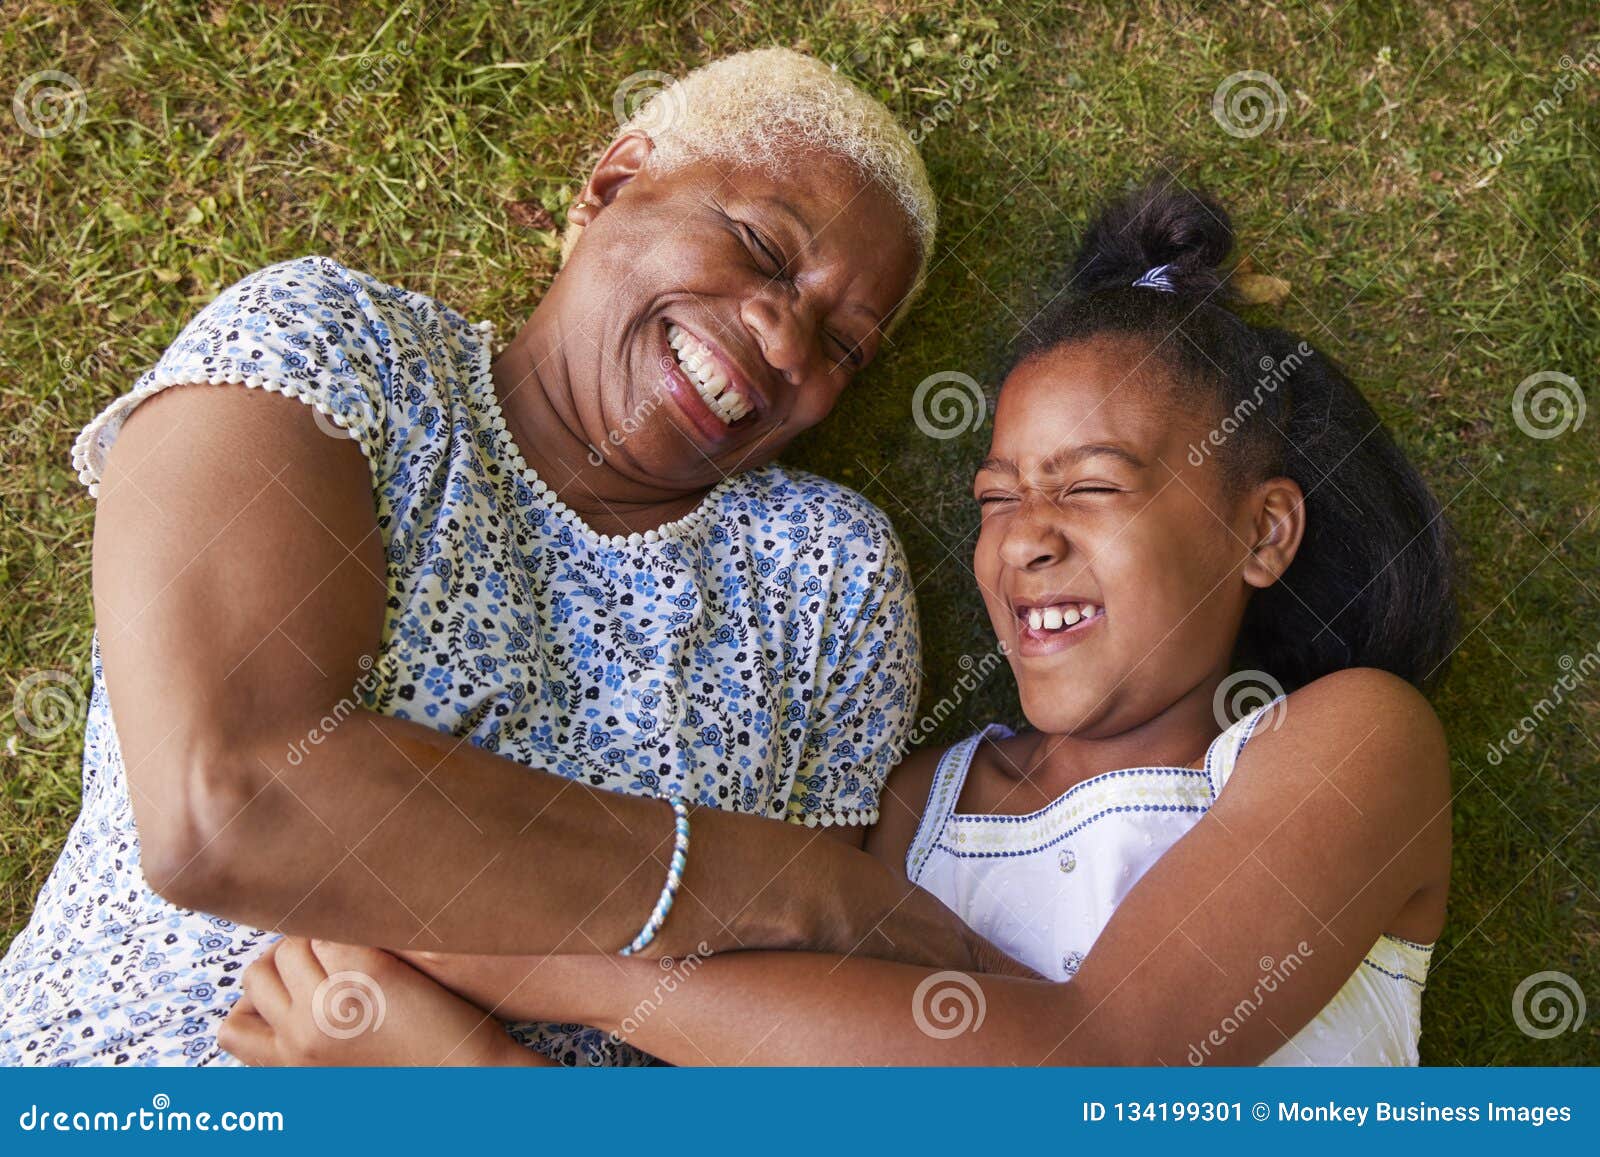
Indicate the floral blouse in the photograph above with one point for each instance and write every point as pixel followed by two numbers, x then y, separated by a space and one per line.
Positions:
pixel 760 654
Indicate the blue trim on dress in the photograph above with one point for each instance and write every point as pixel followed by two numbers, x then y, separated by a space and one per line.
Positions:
pixel 1070 832
pixel 948 780
pixel 1093 780
pixel 1370 963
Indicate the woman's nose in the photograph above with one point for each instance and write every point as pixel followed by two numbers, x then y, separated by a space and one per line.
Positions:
pixel 1033 539
pixel 782 332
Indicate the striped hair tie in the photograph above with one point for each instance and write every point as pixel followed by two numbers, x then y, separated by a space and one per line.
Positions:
pixel 1157 279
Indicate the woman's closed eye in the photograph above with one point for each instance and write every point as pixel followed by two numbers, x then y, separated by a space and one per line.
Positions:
pixel 849 351
pixel 768 257
pixel 772 263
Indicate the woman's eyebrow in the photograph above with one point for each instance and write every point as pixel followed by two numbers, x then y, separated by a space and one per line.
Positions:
pixel 784 208
pixel 809 239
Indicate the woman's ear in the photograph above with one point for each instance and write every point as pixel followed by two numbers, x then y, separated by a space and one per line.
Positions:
pixel 619 164
pixel 1279 525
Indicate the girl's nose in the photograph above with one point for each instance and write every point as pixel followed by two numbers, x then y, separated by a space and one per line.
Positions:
pixel 1033 538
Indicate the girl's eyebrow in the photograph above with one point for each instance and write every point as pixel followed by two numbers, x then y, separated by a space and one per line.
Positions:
pixel 1062 459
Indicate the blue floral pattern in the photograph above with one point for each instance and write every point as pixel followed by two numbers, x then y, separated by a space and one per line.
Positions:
pixel 760 654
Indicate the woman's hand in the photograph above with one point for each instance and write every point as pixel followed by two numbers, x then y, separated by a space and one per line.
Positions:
pixel 313 1003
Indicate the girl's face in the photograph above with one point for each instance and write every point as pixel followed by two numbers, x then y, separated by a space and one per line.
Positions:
pixel 1114 570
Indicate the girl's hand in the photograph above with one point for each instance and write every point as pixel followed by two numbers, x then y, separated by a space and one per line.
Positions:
pixel 314 1003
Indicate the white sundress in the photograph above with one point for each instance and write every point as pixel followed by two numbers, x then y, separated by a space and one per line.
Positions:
pixel 760 654
pixel 1043 886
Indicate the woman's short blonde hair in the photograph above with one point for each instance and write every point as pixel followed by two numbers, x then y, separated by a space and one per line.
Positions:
pixel 766 106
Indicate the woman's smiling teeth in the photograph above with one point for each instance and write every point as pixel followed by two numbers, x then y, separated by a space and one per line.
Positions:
pixel 702 369
pixel 1059 617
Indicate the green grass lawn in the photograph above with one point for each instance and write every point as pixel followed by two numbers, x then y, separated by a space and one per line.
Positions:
pixel 1441 258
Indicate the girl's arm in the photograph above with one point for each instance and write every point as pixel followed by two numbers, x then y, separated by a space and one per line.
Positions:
pixel 1330 828
pixel 239 585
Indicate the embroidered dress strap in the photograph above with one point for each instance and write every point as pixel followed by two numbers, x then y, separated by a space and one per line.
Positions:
pixel 948 779
pixel 1224 752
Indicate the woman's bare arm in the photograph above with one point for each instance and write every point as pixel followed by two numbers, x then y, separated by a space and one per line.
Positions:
pixel 1329 829
pixel 239 585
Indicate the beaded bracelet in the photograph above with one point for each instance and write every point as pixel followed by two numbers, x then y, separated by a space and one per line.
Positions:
pixel 669 892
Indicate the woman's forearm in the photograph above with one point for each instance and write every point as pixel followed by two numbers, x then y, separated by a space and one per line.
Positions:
pixel 391 833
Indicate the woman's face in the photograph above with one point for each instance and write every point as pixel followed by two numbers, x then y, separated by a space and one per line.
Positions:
pixel 1110 565
pixel 720 311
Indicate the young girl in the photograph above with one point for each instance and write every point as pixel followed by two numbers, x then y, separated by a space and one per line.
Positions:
pixel 1174 499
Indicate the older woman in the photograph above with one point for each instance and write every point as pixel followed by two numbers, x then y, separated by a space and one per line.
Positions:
pixel 337 635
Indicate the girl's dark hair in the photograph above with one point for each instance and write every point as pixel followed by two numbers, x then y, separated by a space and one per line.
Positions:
pixel 1373 584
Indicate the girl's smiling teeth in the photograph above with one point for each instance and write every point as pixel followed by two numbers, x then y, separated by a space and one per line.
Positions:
pixel 1057 617
pixel 710 382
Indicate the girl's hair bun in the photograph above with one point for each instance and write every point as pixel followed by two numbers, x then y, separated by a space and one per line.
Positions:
pixel 1161 224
